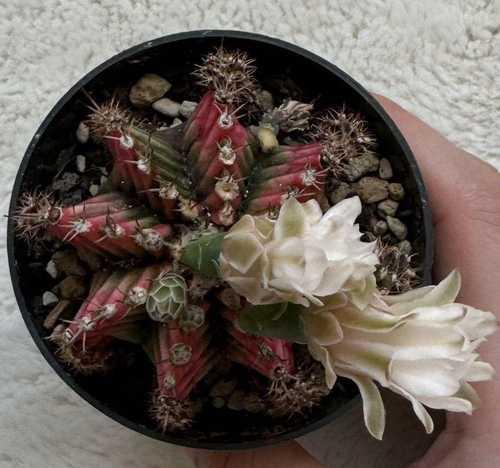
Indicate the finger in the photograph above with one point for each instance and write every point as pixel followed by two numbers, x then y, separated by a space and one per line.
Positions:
pixel 290 455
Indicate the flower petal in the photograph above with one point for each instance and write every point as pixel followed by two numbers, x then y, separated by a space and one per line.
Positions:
pixel 427 378
pixel 444 293
pixel 244 225
pixel 312 211
pixel 322 328
pixel 479 371
pixel 241 250
pixel 373 406
pixel 418 408
pixel 291 221
pixel 321 354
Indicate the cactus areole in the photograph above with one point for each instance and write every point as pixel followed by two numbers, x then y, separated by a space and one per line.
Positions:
pixel 204 223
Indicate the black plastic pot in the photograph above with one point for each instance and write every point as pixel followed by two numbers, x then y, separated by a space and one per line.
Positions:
pixel 123 396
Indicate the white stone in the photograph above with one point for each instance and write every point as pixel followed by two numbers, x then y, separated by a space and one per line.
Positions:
pixel 81 163
pixel 51 269
pixel 176 122
pixel 94 190
pixel 49 298
pixel 167 107
pixel 187 108
pixel 103 179
pixel 82 132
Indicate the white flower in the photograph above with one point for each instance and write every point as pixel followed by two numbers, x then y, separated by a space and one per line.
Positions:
pixel 301 257
pixel 419 344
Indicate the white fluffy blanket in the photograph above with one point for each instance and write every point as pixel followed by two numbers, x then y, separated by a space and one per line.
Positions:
pixel 439 58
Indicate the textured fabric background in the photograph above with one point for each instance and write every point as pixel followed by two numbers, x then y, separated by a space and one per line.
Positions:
pixel 440 59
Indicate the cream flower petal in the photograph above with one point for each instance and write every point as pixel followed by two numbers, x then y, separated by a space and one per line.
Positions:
pixel 252 290
pixel 312 211
pixel 287 260
pixel 421 413
pixel 458 405
pixel 333 279
pixel 409 296
pixel 323 328
pixel 264 227
pixel 291 221
pixel 373 406
pixel 321 354
pixel 479 371
pixel 345 211
pixel 427 378
pixel 241 250
pixel 477 323
pixel 369 320
pixel 244 225
pixel 442 294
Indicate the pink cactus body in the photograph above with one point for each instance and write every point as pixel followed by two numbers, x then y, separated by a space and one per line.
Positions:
pixel 268 356
pixel 182 358
pixel 112 308
pixel 290 171
pixel 111 224
pixel 218 147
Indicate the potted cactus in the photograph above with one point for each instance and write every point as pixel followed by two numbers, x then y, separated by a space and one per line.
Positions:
pixel 202 231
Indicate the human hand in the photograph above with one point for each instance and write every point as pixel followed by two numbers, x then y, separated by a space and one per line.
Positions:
pixel 465 200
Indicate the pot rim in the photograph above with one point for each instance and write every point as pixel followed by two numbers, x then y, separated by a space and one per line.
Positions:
pixel 27 314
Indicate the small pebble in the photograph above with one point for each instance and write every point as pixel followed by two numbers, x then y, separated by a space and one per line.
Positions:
pixel 176 122
pixel 71 287
pixel 67 262
pixel 103 170
pixel 49 298
pixel 397 227
pixel 385 169
pixel 235 402
pixel 81 163
pixel 372 189
pixel 218 402
pixel 148 89
pixel 167 107
pixel 404 247
pixel 387 208
pixel 94 190
pixel 53 316
pixel 187 108
pixel 66 182
pixel 51 269
pixel 91 259
pixel 396 191
pixel 342 191
pixel 360 166
pixel 82 132
pixel 252 403
pixel 223 388
pixel 103 179
pixel 267 139
pixel 380 227
pixel 265 100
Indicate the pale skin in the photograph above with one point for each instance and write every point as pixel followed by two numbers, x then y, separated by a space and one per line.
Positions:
pixel 465 199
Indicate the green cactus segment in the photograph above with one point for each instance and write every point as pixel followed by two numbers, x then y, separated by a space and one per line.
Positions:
pixel 167 163
pixel 281 321
pixel 202 254
pixel 290 171
pixel 167 297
